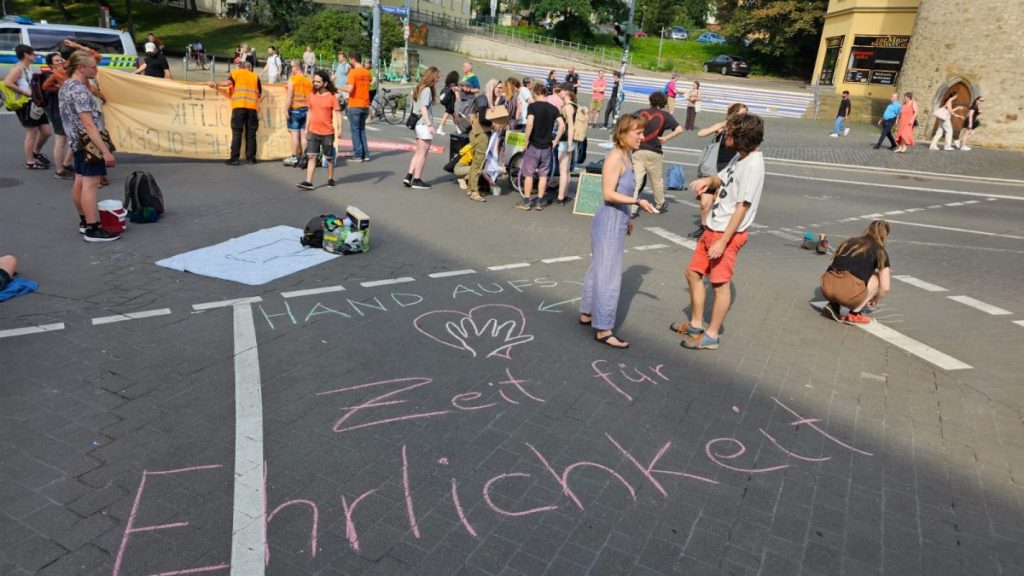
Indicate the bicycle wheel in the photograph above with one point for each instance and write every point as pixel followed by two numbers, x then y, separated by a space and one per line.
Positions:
pixel 393 112
pixel 514 173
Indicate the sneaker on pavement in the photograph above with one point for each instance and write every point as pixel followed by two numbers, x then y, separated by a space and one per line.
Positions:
pixel 524 204
pixel 831 310
pixel 64 175
pixel 440 132
pixel 291 161
pixel 948 148
pixel 97 234
pixel 82 227
pixel 855 318
pixel 965 148
pixel 407 181
pixel 539 206
pixel 846 132
pixel 933 147
pixel 420 184
pixel 330 183
pixel 833 135
pixel 233 162
pixel 305 185
pixel 696 233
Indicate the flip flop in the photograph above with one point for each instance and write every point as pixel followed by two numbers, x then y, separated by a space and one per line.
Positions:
pixel 685 330
pixel 35 166
pixel 586 322
pixel 605 340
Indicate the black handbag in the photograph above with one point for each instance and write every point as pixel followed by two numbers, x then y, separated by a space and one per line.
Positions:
pixel 412 120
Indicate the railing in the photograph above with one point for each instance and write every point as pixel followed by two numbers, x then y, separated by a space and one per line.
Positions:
pixel 599 56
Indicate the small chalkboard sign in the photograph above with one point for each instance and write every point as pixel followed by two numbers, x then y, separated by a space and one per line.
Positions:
pixel 589 196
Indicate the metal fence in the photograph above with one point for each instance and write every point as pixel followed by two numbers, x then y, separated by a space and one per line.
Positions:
pixel 600 56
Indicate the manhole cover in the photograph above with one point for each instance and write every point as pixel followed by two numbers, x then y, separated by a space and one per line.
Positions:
pixel 9 182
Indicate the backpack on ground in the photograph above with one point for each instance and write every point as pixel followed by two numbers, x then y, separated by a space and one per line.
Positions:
pixel 580 124
pixel 142 198
pixel 674 178
pixel 313 233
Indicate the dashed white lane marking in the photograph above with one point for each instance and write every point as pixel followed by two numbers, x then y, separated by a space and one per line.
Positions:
pixel 975 201
pixel 509 266
pixel 372 128
pixel 964 230
pixel 248 529
pixel 920 283
pixel 919 349
pixel 1019 322
pixel 374 283
pixel 31 330
pixel 312 291
pixel 894 186
pixel 934 206
pixel 954 204
pixel 901 211
pixel 226 303
pixel 674 238
pixel 978 304
pixel 561 259
pixel 783 235
pixel 650 247
pixel 130 316
pixel 451 273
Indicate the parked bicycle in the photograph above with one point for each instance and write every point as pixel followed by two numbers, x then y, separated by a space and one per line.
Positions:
pixel 195 55
pixel 389 107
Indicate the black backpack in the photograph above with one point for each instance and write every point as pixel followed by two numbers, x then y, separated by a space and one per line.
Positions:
pixel 142 198
pixel 36 88
pixel 313 233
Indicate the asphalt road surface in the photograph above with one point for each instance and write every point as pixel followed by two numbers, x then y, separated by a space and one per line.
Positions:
pixel 433 407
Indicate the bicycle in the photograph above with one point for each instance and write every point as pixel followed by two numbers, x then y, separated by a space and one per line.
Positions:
pixel 195 55
pixel 389 107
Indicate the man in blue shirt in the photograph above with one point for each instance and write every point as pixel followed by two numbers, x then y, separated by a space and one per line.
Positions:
pixel 892 111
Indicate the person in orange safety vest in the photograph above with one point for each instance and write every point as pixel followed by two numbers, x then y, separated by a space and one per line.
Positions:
pixel 245 89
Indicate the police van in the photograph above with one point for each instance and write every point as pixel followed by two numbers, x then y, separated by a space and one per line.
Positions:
pixel 115 46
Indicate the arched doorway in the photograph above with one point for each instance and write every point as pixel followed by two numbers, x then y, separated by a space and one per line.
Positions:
pixel 964 96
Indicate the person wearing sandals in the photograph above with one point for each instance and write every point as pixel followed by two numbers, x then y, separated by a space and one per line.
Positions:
pixel 83 120
pixel 600 298
pixel 859 275
pixel 737 190
pixel 32 117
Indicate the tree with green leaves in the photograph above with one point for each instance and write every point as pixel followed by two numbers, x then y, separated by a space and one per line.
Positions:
pixel 329 31
pixel 787 32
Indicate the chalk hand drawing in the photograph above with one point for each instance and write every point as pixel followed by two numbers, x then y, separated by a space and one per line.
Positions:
pixel 490 329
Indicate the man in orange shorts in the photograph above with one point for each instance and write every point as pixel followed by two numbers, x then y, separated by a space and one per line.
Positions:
pixel 737 189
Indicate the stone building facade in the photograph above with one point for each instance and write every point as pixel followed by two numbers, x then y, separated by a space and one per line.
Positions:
pixel 970 49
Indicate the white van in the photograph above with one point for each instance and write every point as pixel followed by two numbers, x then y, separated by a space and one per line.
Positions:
pixel 115 46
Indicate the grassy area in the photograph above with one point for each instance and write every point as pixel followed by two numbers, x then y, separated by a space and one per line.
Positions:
pixel 174 26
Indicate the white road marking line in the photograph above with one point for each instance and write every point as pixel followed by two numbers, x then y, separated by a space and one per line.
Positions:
pixel 674 238
pixel 934 206
pixel 919 349
pixel 964 230
pixel 372 128
pixel 561 259
pixel 991 199
pixel 375 283
pixel 971 201
pixel 312 291
pixel 954 204
pixel 248 526
pixel 894 212
pixel 782 234
pixel 919 283
pixel 1019 322
pixel 894 186
pixel 978 304
pixel 226 303
pixel 689 203
pixel 911 210
pixel 866 216
pixel 752 225
pixel 31 330
pixel 451 273
pixel 650 247
pixel 130 316
pixel 509 266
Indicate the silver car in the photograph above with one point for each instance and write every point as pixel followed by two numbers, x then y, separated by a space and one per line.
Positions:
pixel 679 33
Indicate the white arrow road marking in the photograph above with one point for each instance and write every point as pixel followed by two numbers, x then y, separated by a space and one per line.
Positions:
pixel 544 307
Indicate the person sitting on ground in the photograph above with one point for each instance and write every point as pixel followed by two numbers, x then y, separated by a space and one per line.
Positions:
pixel 859 275
pixel 8 268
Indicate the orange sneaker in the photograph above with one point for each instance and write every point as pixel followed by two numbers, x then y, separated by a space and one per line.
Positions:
pixel 855 318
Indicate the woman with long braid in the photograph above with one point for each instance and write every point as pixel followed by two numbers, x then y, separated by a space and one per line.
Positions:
pixel 859 275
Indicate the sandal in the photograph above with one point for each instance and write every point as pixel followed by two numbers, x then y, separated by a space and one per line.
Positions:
pixel 605 340
pixel 35 166
pixel 586 322
pixel 685 330
pixel 705 342
pixel 41 159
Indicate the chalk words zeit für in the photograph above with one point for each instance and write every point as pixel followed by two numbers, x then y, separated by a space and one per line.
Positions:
pixel 638 466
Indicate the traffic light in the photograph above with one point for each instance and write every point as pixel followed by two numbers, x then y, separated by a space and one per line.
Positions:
pixel 621 36
pixel 366 21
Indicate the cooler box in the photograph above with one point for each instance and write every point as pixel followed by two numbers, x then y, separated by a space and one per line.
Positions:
pixel 347 235
pixel 112 216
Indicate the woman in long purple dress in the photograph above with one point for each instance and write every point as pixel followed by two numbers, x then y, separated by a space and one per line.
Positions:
pixel 600 298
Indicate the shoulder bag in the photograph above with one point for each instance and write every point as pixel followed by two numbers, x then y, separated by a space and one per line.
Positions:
pixel 93 154
pixel 414 117
pixel 708 164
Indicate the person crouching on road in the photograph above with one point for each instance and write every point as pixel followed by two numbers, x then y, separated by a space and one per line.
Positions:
pixel 423 98
pixel 737 191
pixel 599 300
pixel 246 91
pixel 859 275
pixel 297 104
pixel 480 138
pixel 83 121
pixel 324 127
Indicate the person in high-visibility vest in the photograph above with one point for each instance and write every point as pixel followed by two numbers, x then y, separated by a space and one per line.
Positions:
pixel 297 105
pixel 246 90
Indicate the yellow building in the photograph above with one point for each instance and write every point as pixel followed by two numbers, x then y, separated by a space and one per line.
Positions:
pixel 864 44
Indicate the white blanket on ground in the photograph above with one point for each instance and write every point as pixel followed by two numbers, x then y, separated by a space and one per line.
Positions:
pixel 253 259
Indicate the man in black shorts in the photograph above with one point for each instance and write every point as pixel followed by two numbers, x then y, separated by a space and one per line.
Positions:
pixel 541 119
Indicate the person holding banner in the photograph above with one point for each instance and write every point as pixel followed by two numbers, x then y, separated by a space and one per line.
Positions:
pixel 297 104
pixel 324 127
pixel 245 89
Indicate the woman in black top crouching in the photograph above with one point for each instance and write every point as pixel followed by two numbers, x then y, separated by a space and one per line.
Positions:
pixel 859 275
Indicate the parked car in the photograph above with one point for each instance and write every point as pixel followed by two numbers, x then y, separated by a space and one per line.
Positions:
pixel 727 65
pixel 679 33
pixel 711 38
pixel 641 34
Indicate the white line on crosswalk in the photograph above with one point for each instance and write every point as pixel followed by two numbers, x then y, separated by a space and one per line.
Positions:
pixel 226 303
pixel 978 304
pixel 964 230
pixel 312 291
pixel 919 349
pixel 450 273
pixel 374 283
pixel 651 247
pixel 130 316
pixel 674 238
pixel 561 259
pixel 919 283
pixel 32 330
pixel 1019 322
pixel 509 266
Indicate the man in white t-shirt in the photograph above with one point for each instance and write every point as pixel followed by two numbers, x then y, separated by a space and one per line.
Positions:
pixel 737 189
pixel 272 69
pixel 525 99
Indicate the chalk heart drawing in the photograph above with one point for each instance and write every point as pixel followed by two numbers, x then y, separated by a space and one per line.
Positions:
pixel 489 329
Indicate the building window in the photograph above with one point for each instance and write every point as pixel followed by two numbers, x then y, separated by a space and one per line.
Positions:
pixel 876 59
pixel 833 46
